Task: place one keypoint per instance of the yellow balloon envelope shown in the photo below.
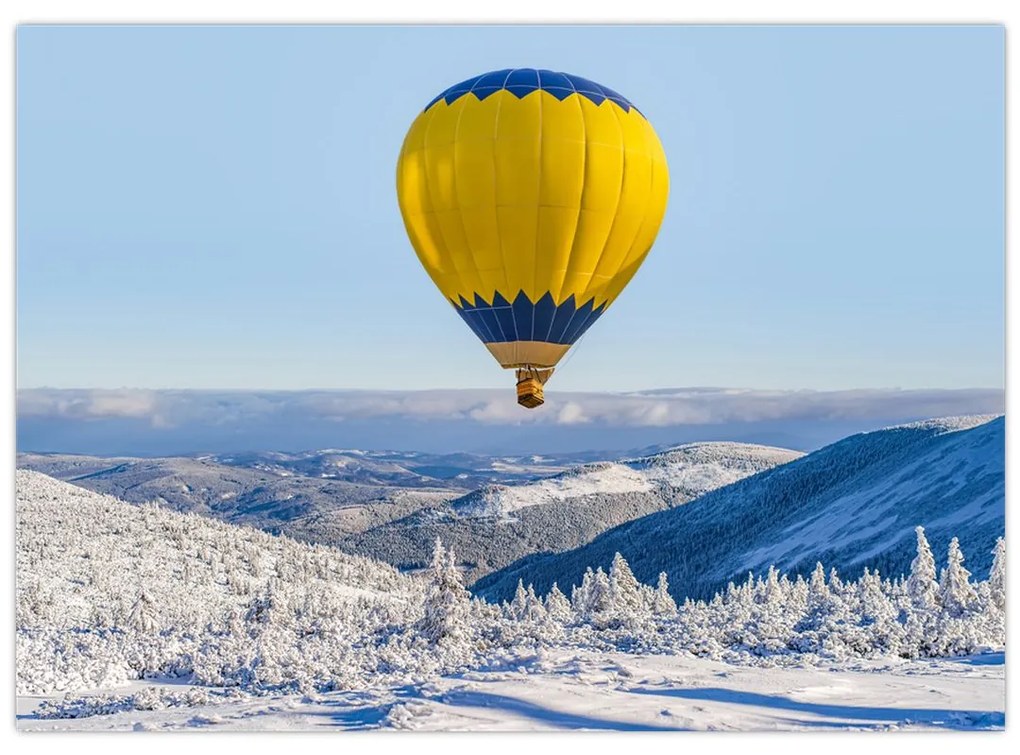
(531, 198)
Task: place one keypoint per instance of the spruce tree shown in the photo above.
(997, 576)
(557, 605)
(447, 602)
(663, 604)
(922, 586)
(955, 590)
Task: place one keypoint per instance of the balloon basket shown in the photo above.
(530, 393)
(530, 386)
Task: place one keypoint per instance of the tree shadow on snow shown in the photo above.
(983, 659)
(853, 715)
(471, 699)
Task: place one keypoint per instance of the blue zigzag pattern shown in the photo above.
(503, 321)
(524, 81)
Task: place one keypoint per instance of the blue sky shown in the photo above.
(215, 207)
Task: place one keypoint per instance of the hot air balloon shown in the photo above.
(531, 198)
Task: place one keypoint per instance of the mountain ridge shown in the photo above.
(850, 503)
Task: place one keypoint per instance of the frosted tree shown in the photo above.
(580, 594)
(625, 598)
(922, 586)
(447, 603)
(663, 604)
(143, 614)
(557, 605)
(835, 583)
(818, 592)
(955, 590)
(878, 613)
(534, 609)
(772, 592)
(519, 605)
(593, 602)
(997, 577)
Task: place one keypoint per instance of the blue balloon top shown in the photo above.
(523, 81)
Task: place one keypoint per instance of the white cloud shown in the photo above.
(691, 406)
(571, 414)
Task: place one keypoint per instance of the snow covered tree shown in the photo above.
(877, 614)
(818, 592)
(519, 605)
(534, 609)
(835, 583)
(447, 602)
(143, 614)
(997, 577)
(557, 606)
(592, 600)
(625, 599)
(922, 586)
(663, 604)
(955, 591)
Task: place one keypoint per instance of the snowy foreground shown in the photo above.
(562, 690)
(136, 617)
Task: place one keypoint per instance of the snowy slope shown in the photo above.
(589, 479)
(256, 492)
(851, 504)
(683, 473)
(496, 525)
(677, 475)
(84, 558)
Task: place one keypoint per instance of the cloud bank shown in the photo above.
(156, 421)
(693, 406)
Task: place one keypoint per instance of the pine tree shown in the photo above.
(772, 590)
(997, 577)
(557, 605)
(835, 583)
(955, 590)
(818, 592)
(143, 614)
(597, 603)
(663, 604)
(447, 603)
(519, 605)
(534, 609)
(922, 586)
(624, 591)
(580, 594)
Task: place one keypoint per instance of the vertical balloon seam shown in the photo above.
(495, 186)
(582, 299)
(510, 296)
(580, 212)
(630, 256)
(627, 256)
(538, 211)
(495, 177)
(460, 209)
(434, 273)
(558, 297)
(445, 244)
(650, 139)
(616, 210)
(462, 273)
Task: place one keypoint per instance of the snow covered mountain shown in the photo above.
(677, 475)
(90, 567)
(80, 554)
(256, 493)
(495, 525)
(403, 469)
(852, 504)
